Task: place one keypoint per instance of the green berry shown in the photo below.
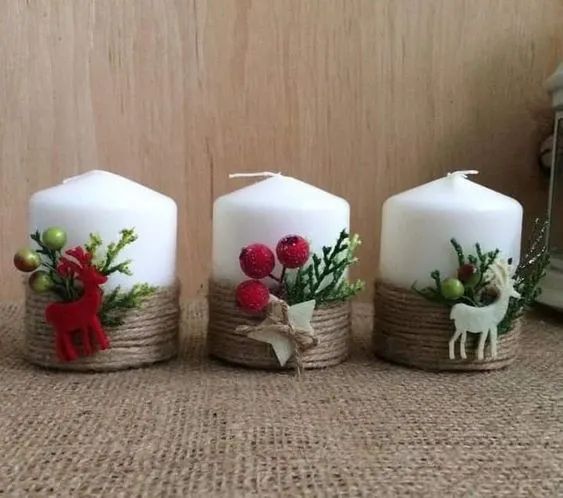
(27, 260)
(452, 288)
(54, 238)
(40, 282)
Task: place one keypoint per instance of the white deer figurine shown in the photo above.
(484, 320)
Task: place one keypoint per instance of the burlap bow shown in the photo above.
(286, 328)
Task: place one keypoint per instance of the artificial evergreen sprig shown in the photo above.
(323, 279)
(526, 278)
(116, 303)
(471, 293)
(108, 265)
(528, 275)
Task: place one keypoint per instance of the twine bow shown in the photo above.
(286, 328)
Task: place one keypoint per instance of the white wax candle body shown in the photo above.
(417, 226)
(104, 203)
(268, 210)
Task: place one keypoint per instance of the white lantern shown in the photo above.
(552, 284)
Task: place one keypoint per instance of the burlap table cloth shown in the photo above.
(197, 427)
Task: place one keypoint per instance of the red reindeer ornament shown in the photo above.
(81, 315)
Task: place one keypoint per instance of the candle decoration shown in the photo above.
(294, 296)
(281, 300)
(432, 294)
(85, 307)
(486, 296)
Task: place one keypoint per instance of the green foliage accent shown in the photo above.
(323, 279)
(482, 261)
(93, 244)
(108, 266)
(62, 286)
(471, 296)
(117, 303)
(527, 276)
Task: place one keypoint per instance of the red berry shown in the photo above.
(252, 296)
(257, 260)
(293, 251)
(468, 274)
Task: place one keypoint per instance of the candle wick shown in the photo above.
(463, 173)
(252, 175)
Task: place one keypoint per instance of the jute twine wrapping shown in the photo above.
(148, 335)
(413, 331)
(331, 324)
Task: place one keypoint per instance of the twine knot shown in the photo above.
(286, 328)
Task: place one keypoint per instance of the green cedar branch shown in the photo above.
(116, 303)
(527, 277)
(323, 279)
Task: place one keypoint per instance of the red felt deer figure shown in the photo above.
(82, 314)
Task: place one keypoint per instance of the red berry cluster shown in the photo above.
(257, 261)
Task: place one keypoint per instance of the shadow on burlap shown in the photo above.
(197, 427)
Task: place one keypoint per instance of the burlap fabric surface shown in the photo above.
(196, 427)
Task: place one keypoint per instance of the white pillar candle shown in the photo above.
(417, 226)
(266, 211)
(105, 203)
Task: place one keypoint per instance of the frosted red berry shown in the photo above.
(257, 260)
(468, 274)
(252, 296)
(292, 251)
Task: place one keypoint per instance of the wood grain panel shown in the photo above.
(363, 98)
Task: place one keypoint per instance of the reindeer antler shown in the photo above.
(500, 270)
(67, 267)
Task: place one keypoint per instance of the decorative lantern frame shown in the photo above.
(552, 284)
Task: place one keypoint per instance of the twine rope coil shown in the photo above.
(413, 331)
(148, 335)
(227, 334)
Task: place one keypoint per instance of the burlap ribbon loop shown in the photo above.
(278, 321)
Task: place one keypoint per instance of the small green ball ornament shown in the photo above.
(54, 238)
(27, 260)
(40, 282)
(452, 288)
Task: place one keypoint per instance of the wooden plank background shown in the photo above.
(363, 98)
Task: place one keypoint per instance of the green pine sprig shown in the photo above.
(323, 279)
(116, 303)
(108, 265)
(482, 260)
(527, 277)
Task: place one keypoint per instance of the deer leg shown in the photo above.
(59, 346)
(454, 338)
(493, 342)
(69, 348)
(86, 342)
(481, 346)
(462, 352)
(101, 336)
